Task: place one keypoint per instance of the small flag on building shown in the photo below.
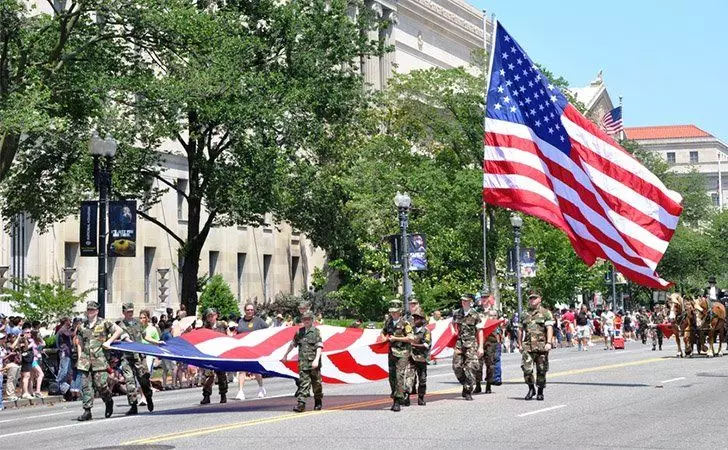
(612, 121)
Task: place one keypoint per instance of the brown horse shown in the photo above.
(710, 318)
(681, 317)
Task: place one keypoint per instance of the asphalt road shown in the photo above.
(634, 398)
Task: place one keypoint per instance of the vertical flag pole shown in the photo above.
(614, 287)
(485, 107)
(621, 132)
(720, 182)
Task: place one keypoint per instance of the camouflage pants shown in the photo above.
(398, 366)
(416, 373)
(134, 368)
(91, 381)
(208, 379)
(489, 360)
(308, 379)
(656, 334)
(538, 361)
(465, 365)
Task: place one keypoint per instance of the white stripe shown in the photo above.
(616, 156)
(521, 182)
(672, 380)
(37, 416)
(570, 194)
(622, 224)
(541, 410)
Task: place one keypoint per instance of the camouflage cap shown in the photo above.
(128, 306)
(467, 297)
(307, 315)
(92, 305)
(304, 305)
(417, 312)
(413, 300)
(209, 311)
(395, 306)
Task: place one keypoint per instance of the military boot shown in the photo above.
(395, 406)
(539, 396)
(531, 392)
(317, 405)
(301, 407)
(478, 388)
(421, 400)
(134, 410)
(109, 408)
(469, 394)
(85, 416)
(406, 400)
(150, 402)
(223, 398)
(487, 388)
(205, 399)
(465, 391)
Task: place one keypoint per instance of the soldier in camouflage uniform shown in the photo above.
(309, 343)
(398, 332)
(658, 317)
(469, 345)
(208, 376)
(535, 342)
(133, 365)
(644, 323)
(93, 337)
(417, 371)
(492, 342)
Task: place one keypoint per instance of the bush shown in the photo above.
(43, 302)
(217, 294)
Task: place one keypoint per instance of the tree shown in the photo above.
(261, 98)
(217, 295)
(44, 302)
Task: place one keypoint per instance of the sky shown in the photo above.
(668, 59)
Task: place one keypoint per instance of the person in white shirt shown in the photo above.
(607, 320)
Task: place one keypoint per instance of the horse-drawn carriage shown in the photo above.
(697, 322)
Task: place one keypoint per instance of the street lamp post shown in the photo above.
(403, 203)
(103, 151)
(517, 223)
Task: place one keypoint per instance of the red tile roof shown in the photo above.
(665, 132)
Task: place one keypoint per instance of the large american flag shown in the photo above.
(350, 355)
(544, 158)
(612, 121)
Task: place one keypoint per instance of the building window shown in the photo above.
(715, 199)
(671, 157)
(693, 157)
(71, 252)
(294, 272)
(241, 276)
(148, 262)
(182, 185)
(266, 277)
(214, 255)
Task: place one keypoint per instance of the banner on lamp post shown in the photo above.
(88, 231)
(122, 228)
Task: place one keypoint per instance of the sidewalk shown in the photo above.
(24, 402)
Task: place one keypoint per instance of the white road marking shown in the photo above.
(671, 380)
(35, 417)
(535, 412)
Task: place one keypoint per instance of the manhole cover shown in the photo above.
(134, 447)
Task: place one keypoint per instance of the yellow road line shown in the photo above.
(249, 423)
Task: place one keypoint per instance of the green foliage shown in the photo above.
(217, 295)
(44, 302)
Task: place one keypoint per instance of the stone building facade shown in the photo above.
(257, 262)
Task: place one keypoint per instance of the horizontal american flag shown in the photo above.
(350, 355)
(544, 158)
(612, 121)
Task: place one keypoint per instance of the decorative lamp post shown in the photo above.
(517, 223)
(403, 203)
(103, 151)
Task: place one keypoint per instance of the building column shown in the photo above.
(371, 65)
(387, 60)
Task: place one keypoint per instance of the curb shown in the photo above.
(24, 402)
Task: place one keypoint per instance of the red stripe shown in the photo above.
(565, 176)
(645, 188)
(200, 335)
(265, 348)
(348, 364)
(342, 340)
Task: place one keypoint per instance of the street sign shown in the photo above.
(89, 221)
(417, 248)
